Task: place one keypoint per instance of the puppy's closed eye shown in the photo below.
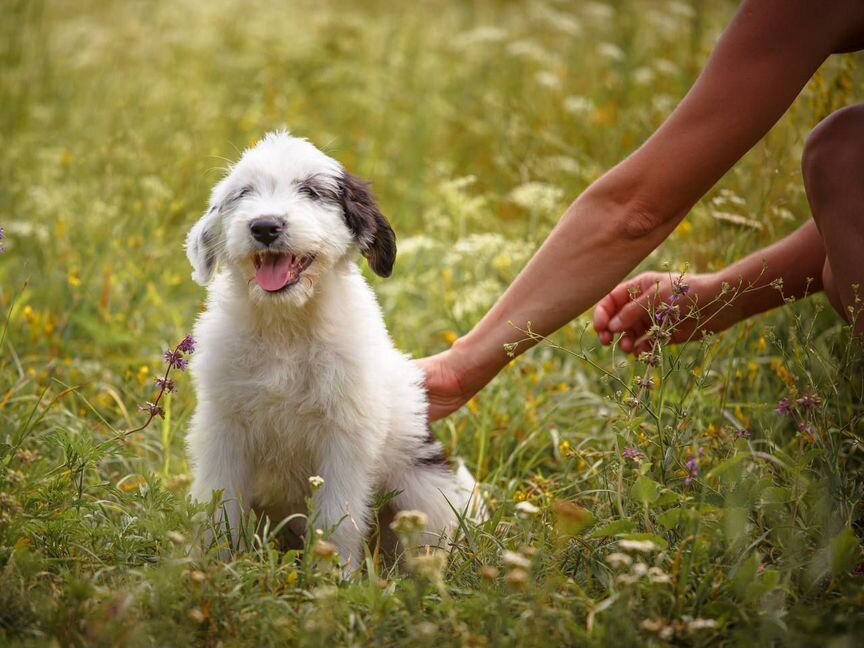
(316, 189)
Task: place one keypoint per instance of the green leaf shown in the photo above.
(670, 519)
(730, 469)
(845, 551)
(613, 528)
(645, 490)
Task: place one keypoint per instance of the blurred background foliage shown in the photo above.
(477, 122)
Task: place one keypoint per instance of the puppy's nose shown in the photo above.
(265, 230)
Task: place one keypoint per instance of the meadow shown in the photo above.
(712, 500)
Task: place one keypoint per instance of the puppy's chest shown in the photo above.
(285, 396)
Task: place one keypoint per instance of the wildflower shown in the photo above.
(409, 522)
(637, 546)
(166, 385)
(697, 624)
(526, 509)
(645, 382)
(323, 550)
(659, 335)
(668, 312)
(742, 434)
(489, 573)
(517, 577)
(617, 560)
(2, 236)
(152, 409)
(176, 537)
(784, 407)
(809, 401)
(803, 428)
(649, 358)
(659, 627)
(634, 454)
(196, 615)
(187, 345)
(195, 575)
(657, 575)
(513, 559)
(316, 482)
(174, 359)
(679, 286)
(430, 565)
(693, 471)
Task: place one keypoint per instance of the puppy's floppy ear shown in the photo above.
(201, 245)
(372, 231)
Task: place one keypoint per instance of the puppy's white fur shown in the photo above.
(306, 381)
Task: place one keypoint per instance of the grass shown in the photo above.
(478, 123)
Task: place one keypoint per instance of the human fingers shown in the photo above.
(609, 306)
(634, 313)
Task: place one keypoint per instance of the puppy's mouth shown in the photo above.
(276, 271)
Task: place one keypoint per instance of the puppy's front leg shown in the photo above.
(220, 465)
(344, 502)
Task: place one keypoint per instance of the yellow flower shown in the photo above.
(73, 279)
(143, 373)
(450, 336)
(762, 344)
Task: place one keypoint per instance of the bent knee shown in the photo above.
(834, 155)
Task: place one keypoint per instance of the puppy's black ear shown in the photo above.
(372, 231)
(202, 245)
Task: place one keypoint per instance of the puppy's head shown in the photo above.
(283, 217)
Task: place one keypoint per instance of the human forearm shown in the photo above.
(584, 257)
(795, 260)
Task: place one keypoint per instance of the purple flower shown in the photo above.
(649, 358)
(742, 434)
(784, 407)
(668, 312)
(174, 359)
(693, 468)
(803, 428)
(632, 453)
(679, 286)
(152, 409)
(810, 401)
(187, 345)
(166, 385)
(645, 382)
(2, 236)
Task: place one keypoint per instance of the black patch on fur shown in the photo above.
(432, 453)
(372, 231)
(207, 244)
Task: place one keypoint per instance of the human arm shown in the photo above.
(757, 69)
(797, 260)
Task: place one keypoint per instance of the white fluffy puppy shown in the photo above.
(296, 374)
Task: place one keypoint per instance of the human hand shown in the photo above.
(445, 383)
(628, 308)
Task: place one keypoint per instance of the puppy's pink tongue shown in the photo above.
(276, 272)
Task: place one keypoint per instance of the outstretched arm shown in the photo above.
(757, 69)
(796, 259)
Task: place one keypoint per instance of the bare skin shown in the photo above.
(759, 66)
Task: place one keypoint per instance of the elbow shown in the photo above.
(631, 216)
(638, 223)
